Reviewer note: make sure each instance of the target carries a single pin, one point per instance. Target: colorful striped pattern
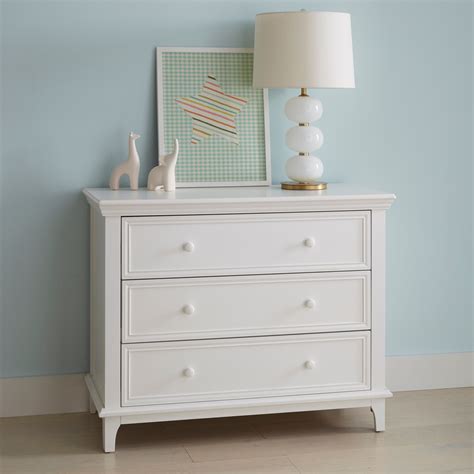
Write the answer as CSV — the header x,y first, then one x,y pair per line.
x,y
212,112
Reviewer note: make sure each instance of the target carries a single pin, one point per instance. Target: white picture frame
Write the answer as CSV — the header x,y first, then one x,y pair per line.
x,y
161,85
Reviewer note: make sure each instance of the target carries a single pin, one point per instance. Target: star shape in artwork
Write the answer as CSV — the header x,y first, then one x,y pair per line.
x,y
213,112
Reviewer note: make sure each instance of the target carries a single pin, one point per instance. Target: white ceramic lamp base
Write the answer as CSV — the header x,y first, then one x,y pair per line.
x,y
304,169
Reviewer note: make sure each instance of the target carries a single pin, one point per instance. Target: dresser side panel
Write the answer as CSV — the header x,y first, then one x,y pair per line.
x,y
105,307
97,301
378,300
112,291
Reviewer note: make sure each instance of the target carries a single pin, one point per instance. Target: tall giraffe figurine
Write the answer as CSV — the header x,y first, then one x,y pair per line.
x,y
131,167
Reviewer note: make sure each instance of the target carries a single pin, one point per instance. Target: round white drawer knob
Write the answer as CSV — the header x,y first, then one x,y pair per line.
x,y
188,309
310,364
310,303
189,372
188,247
309,242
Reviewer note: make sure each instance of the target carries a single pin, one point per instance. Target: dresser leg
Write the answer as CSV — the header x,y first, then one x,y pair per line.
x,y
110,426
378,410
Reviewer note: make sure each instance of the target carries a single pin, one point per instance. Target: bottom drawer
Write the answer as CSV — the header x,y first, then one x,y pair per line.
x,y
173,372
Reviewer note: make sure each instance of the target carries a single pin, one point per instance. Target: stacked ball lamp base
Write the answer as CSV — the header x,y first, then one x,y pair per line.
x,y
304,169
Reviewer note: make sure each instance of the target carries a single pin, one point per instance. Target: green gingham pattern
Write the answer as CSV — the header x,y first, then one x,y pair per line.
x,y
214,159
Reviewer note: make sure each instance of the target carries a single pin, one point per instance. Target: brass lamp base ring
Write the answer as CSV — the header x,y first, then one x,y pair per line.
x,y
294,186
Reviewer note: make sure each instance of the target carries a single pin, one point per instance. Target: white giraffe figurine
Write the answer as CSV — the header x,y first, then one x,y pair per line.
x,y
131,167
163,175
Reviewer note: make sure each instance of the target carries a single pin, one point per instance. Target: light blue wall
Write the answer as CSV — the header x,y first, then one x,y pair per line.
x,y
77,76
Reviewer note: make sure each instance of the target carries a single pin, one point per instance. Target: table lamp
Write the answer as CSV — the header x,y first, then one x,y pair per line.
x,y
303,50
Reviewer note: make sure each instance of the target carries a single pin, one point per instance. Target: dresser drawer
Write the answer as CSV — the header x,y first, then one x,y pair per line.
x,y
158,247
172,372
199,308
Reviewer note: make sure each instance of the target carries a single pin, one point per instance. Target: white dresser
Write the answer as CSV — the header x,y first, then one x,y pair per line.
x,y
236,301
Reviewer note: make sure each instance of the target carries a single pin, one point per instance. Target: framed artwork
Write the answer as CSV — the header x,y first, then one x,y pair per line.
x,y
206,101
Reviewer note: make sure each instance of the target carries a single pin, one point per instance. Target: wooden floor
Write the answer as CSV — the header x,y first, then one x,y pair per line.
x,y
428,431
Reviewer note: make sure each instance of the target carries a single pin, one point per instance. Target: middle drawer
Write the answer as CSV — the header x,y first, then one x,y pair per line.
x,y
202,308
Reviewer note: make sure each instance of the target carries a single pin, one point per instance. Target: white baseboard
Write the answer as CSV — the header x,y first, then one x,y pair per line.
x,y
68,393
426,372
43,395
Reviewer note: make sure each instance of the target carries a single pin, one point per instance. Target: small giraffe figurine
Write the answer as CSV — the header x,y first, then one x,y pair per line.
x,y
163,175
131,167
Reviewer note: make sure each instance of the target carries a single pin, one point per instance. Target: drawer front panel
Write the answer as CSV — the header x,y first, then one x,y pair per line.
x,y
173,372
159,247
199,308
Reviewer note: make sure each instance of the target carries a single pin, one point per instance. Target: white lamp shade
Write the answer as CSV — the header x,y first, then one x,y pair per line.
x,y
303,49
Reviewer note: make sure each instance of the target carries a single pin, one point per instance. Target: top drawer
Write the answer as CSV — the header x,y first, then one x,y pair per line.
x,y
162,247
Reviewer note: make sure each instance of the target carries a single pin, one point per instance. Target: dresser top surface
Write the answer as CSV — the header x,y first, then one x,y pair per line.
x,y
235,199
